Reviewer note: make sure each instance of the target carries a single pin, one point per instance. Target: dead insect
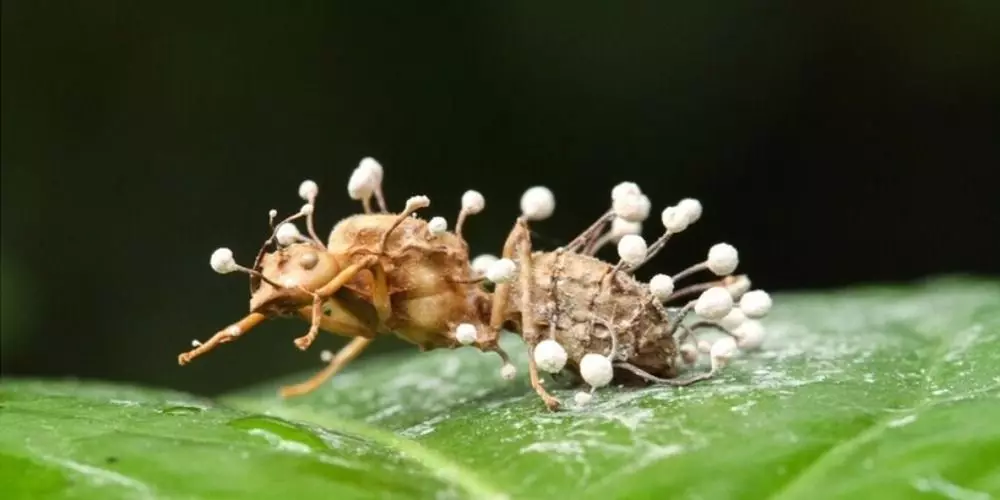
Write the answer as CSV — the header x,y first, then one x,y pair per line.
x,y
595,320
378,273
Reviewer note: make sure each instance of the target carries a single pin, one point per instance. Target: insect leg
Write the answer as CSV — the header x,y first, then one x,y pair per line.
x,y
339,361
325,292
667,381
229,334
501,294
526,277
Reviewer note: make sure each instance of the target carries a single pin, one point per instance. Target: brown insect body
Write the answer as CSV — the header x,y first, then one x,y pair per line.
x,y
563,281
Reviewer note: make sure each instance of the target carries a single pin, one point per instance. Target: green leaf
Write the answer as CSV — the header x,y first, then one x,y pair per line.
x,y
866,393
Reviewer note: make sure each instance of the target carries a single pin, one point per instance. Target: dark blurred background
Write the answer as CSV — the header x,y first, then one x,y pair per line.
x,y
833,143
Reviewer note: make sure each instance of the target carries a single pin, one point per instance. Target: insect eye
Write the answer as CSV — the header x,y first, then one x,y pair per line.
x,y
309,260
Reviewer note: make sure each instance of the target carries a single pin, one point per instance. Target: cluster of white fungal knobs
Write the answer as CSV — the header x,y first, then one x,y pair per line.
x,y
728,305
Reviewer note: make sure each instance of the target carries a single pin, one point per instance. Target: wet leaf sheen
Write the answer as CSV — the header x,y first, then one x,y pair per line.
x,y
866,393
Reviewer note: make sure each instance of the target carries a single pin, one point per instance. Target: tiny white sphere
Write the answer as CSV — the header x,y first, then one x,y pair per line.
x,y
373,167
625,189
632,249
222,261
308,190
418,201
704,346
466,334
272,213
738,286
437,225
673,220
482,263
690,209
550,356
750,335
501,271
722,259
362,183
234,331
733,319
195,343
538,203
287,234
714,303
620,227
596,370
583,398
326,356
633,208
689,353
508,371
723,349
473,202
306,209
756,303
661,286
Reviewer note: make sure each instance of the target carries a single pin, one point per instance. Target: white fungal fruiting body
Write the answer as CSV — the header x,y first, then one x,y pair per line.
x,y
673,220
222,261
482,263
722,259
583,398
473,202
437,226
733,319
501,271
364,180
723,350
287,234
632,249
750,335
308,190
621,227
195,343
689,353
690,209
465,334
234,331
625,189
418,201
538,203
596,370
756,303
508,371
631,207
661,286
326,356
714,303
550,356
306,209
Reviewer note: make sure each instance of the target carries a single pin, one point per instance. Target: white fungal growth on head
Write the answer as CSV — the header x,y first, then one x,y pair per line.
x,y
714,303
482,263
690,209
501,271
620,227
661,286
673,220
538,203
550,356
750,335
326,356
287,234
756,303
306,209
222,261
596,370
738,286
308,190
437,226
195,343
625,189
272,213
465,334
722,259
364,180
473,202
722,351
733,319
631,207
632,249
689,353
583,398
508,371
